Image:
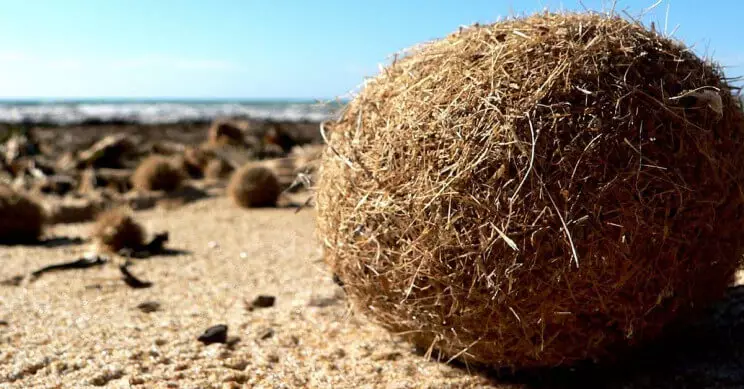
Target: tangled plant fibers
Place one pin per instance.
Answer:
(22, 219)
(156, 173)
(536, 192)
(254, 186)
(116, 229)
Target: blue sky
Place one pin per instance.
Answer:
(270, 49)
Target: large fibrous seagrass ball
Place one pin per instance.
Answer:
(541, 191)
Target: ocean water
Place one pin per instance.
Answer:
(159, 111)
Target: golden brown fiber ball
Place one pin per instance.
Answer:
(22, 219)
(254, 186)
(536, 192)
(116, 229)
(157, 173)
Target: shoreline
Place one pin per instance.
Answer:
(67, 137)
(149, 112)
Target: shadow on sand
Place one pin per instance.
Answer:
(706, 354)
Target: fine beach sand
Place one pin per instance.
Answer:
(82, 328)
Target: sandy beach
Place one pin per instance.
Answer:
(86, 328)
(82, 328)
(388, 195)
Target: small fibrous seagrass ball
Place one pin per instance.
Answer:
(536, 192)
(22, 219)
(254, 186)
(157, 173)
(116, 229)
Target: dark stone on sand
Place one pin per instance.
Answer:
(214, 334)
(262, 301)
(3, 322)
(149, 306)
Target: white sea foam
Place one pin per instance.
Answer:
(159, 112)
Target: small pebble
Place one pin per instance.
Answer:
(387, 356)
(262, 301)
(3, 322)
(149, 306)
(243, 255)
(322, 302)
(237, 364)
(233, 340)
(213, 245)
(266, 334)
(59, 367)
(214, 334)
(237, 378)
(104, 377)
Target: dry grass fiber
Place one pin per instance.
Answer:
(537, 192)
